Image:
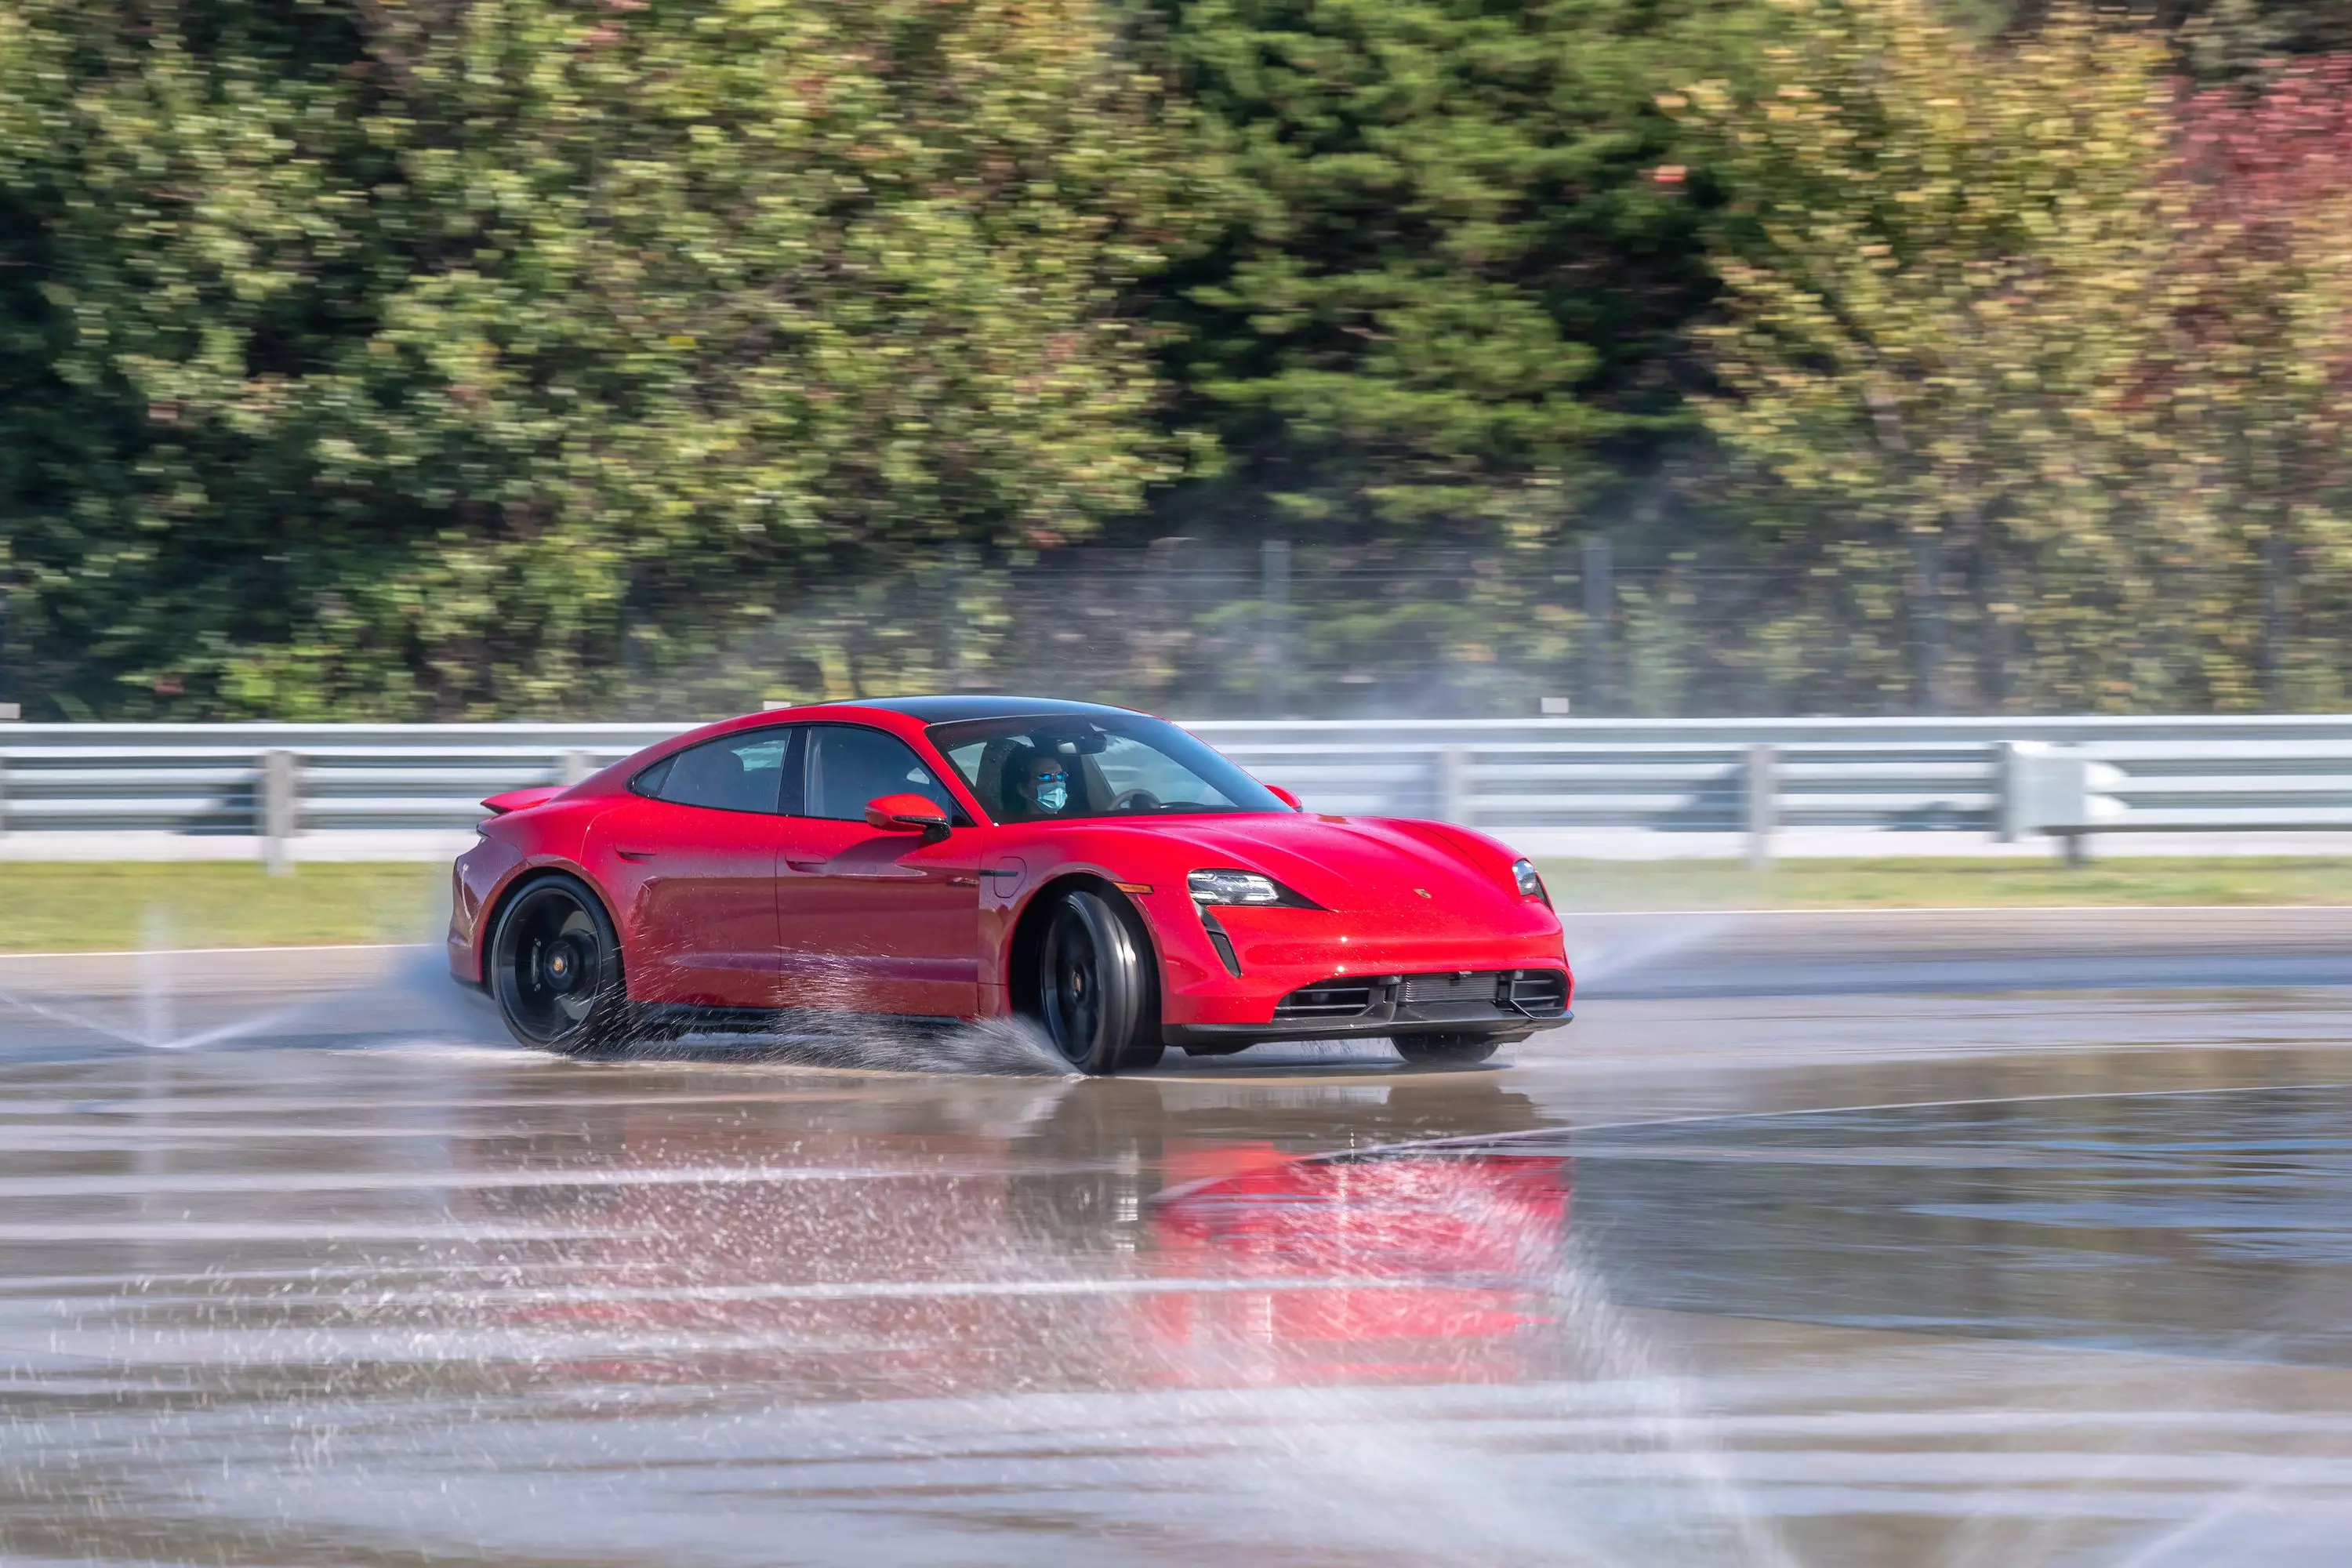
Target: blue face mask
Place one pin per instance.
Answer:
(1052, 792)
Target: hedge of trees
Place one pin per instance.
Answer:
(451, 358)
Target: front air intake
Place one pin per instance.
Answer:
(1347, 999)
(1541, 991)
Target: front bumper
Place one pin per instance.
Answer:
(1279, 952)
(1232, 1036)
(1503, 1005)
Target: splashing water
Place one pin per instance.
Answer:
(1407, 1268)
(156, 998)
(422, 1007)
(866, 1043)
(154, 1017)
(1608, 949)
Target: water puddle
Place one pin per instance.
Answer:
(337, 1274)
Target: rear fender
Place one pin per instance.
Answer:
(511, 847)
(502, 891)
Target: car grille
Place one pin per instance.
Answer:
(1480, 993)
(1471, 988)
(1345, 1000)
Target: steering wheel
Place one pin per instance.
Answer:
(1136, 800)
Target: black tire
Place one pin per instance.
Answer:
(555, 969)
(1445, 1050)
(1094, 992)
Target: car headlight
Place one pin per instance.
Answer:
(1235, 888)
(1530, 885)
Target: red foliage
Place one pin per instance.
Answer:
(2269, 169)
(2265, 159)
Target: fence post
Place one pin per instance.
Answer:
(1763, 804)
(1274, 626)
(1928, 570)
(1453, 786)
(577, 766)
(2010, 794)
(959, 660)
(1600, 603)
(279, 812)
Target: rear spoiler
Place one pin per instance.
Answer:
(523, 799)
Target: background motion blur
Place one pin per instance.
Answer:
(623, 359)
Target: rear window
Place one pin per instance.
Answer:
(738, 772)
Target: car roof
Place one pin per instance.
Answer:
(967, 705)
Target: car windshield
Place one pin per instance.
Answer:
(1042, 767)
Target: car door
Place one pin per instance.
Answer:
(689, 858)
(872, 922)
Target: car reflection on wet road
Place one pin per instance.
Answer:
(297, 1265)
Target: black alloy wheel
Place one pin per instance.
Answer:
(555, 969)
(1095, 994)
(1445, 1050)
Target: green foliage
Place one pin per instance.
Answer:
(2050, 361)
(1947, 269)
(390, 359)
(1452, 276)
(444, 358)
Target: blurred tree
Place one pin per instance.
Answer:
(2219, 37)
(1452, 290)
(1945, 269)
(380, 359)
(2257, 375)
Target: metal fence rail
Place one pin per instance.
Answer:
(165, 791)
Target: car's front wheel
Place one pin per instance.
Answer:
(1094, 987)
(1445, 1050)
(555, 969)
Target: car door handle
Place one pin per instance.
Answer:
(634, 854)
(805, 865)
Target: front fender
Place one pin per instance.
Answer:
(1165, 909)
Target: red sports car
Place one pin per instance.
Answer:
(1097, 870)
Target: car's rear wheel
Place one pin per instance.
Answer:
(1445, 1050)
(555, 969)
(1095, 994)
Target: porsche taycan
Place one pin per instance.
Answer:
(1100, 871)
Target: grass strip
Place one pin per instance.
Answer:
(70, 908)
(81, 908)
(1939, 883)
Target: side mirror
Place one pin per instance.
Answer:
(1285, 796)
(908, 814)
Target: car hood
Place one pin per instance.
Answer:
(1422, 872)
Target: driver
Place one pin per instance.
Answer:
(1043, 784)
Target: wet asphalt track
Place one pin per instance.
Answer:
(1815, 1241)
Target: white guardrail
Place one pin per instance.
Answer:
(327, 791)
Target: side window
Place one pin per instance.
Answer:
(741, 772)
(848, 766)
